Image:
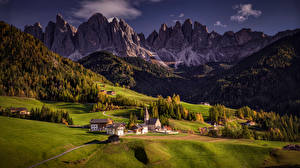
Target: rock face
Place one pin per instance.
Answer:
(36, 30)
(94, 35)
(193, 45)
(187, 43)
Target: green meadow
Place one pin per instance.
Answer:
(187, 125)
(26, 143)
(29, 103)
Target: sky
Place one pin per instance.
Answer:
(269, 16)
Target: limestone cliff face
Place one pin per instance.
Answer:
(94, 35)
(189, 43)
(193, 45)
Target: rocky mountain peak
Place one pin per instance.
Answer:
(60, 20)
(97, 18)
(198, 27)
(187, 43)
(36, 30)
(163, 27)
(187, 29)
(177, 25)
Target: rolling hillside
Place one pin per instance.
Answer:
(18, 149)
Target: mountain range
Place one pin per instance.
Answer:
(257, 70)
(189, 44)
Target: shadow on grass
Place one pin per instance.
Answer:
(97, 142)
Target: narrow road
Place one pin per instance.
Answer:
(107, 115)
(70, 150)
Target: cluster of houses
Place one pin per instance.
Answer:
(108, 92)
(19, 111)
(112, 128)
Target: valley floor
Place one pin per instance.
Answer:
(24, 143)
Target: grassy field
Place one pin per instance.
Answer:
(187, 125)
(24, 143)
(197, 108)
(79, 112)
(124, 112)
(130, 94)
(83, 119)
(176, 153)
(29, 103)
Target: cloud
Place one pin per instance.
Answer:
(177, 20)
(243, 12)
(109, 8)
(218, 23)
(181, 15)
(112, 18)
(4, 1)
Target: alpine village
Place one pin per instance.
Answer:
(209, 84)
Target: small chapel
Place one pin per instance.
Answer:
(152, 123)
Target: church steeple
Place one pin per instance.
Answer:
(146, 116)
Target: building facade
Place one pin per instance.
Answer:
(100, 124)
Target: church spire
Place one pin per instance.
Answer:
(146, 116)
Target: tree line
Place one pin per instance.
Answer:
(106, 102)
(42, 114)
(268, 125)
(170, 107)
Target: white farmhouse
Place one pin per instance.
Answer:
(115, 129)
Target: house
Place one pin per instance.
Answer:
(115, 129)
(20, 110)
(249, 123)
(103, 91)
(111, 93)
(100, 124)
(152, 123)
(205, 103)
(203, 130)
(140, 129)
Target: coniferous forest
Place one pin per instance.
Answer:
(28, 68)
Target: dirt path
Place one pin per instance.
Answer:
(176, 137)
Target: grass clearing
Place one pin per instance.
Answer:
(29, 103)
(187, 125)
(124, 112)
(130, 94)
(196, 108)
(84, 119)
(26, 142)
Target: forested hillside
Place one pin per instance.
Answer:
(269, 80)
(134, 72)
(28, 68)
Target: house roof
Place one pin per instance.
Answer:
(99, 121)
(152, 121)
(116, 125)
(138, 126)
(19, 109)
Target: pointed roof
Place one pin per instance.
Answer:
(152, 121)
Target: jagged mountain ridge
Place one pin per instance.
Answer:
(94, 35)
(189, 44)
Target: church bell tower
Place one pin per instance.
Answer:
(146, 116)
